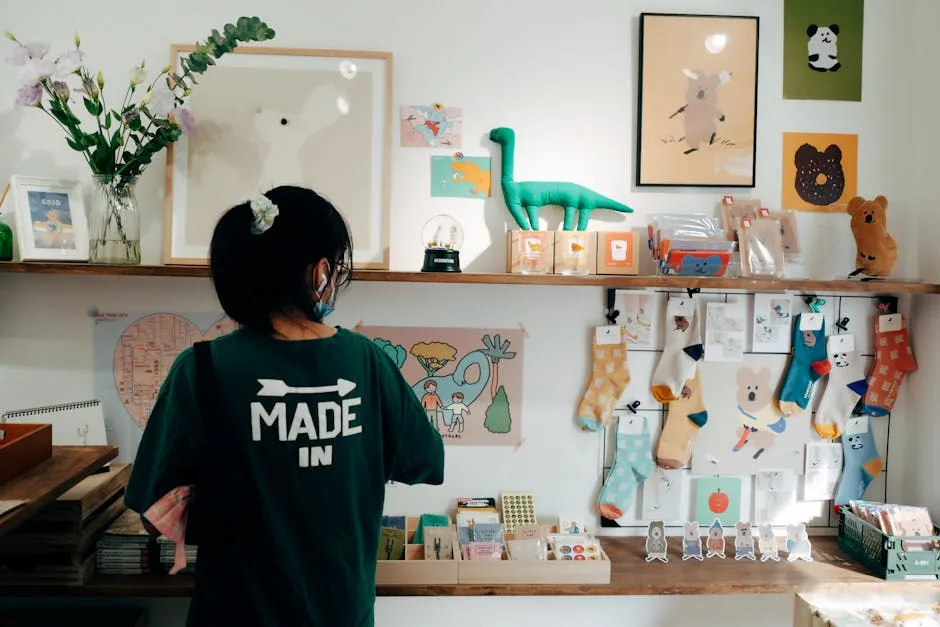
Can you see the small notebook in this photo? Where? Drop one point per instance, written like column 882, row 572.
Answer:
column 73, row 424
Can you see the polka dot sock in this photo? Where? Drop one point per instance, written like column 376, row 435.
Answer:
column 633, row 464
column 893, row 360
column 686, row 417
column 808, row 363
column 609, row 378
column 682, row 352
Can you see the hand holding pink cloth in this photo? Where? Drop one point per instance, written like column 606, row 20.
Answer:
column 169, row 516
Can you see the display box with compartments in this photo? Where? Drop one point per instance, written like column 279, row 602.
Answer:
column 549, row 571
column 414, row 569
column 618, row 253
column 530, row 252
column 22, row 447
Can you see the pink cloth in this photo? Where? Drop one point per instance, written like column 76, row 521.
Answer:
column 169, row 516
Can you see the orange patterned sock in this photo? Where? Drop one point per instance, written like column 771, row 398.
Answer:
column 609, row 378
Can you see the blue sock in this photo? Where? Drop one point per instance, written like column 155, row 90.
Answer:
column 861, row 464
column 809, row 361
column 633, row 463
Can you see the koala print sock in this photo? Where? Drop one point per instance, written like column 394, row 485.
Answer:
column 609, row 378
column 686, row 417
column 893, row 360
column 862, row 463
column 633, row 464
column 808, row 362
column 846, row 384
column 682, row 352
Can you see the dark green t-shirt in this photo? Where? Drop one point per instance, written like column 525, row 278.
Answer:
column 293, row 467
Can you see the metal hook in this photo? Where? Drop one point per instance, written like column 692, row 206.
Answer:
column 611, row 314
column 693, row 291
column 843, row 324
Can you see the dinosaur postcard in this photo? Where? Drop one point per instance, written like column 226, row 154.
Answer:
column 460, row 177
column 431, row 126
column 469, row 381
column 822, row 49
column 697, row 116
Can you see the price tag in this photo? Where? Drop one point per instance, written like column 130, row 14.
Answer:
column 728, row 199
column 856, row 425
column 605, row 336
column 844, row 343
column 764, row 212
column 811, row 321
column 891, row 322
column 745, row 223
column 631, row 424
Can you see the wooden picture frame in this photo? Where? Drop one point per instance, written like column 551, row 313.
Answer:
column 335, row 109
column 697, row 100
column 50, row 218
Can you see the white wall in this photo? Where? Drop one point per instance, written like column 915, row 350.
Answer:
column 563, row 74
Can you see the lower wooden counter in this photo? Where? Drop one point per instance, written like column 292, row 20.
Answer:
column 630, row 575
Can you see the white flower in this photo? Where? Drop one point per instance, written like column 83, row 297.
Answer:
column 23, row 53
column 69, row 63
column 160, row 101
column 36, row 70
column 138, row 75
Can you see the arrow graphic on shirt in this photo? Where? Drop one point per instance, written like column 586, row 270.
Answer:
column 276, row 387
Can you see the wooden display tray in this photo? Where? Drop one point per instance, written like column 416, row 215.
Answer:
column 507, row 572
column 414, row 570
column 23, row 447
column 806, row 604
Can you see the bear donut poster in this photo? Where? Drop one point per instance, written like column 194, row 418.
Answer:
column 822, row 58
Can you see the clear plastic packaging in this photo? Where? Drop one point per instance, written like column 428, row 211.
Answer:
column 528, row 550
column 761, row 247
column 790, row 235
column 733, row 211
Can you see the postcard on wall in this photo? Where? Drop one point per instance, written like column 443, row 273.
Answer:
column 725, row 332
column 820, row 171
column 718, row 497
column 774, row 497
column 431, row 126
column 469, row 381
column 459, row 176
column 772, row 323
column 746, row 431
column 823, row 469
column 822, row 49
column 663, row 496
column 639, row 312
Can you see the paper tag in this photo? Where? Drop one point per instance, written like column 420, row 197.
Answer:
column 856, row 425
column 605, row 336
column 811, row 322
column 631, row 424
column 844, row 343
column 892, row 322
column 746, row 223
column 728, row 199
column 764, row 212
column 684, row 306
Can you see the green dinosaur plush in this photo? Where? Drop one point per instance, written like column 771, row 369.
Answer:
column 530, row 196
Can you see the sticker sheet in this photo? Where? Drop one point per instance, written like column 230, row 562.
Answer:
column 772, row 320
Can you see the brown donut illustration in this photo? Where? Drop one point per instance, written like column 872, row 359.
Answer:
column 820, row 179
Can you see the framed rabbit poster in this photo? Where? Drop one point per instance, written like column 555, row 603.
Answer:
column 284, row 116
column 697, row 110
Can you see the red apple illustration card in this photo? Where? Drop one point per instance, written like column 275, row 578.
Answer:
column 718, row 497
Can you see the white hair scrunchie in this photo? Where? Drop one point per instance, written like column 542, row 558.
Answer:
column 264, row 213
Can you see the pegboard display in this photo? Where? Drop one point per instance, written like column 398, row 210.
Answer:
column 678, row 495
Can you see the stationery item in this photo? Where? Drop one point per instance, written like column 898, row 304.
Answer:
column 566, row 525
column 609, row 378
column 846, row 385
column 744, row 542
column 73, row 424
column 808, row 363
column 395, row 522
column 633, row 464
column 682, row 352
column 663, row 496
column 691, row 542
column 769, row 551
column 775, row 496
column 734, row 210
column 527, row 550
column 657, row 548
column 617, row 253
column 772, row 320
column 480, row 532
column 391, row 544
column 485, row 551
column 638, row 312
column 518, row 509
column 715, row 543
column 761, row 247
column 476, row 510
column 894, row 359
column 438, row 543
column 862, row 461
column 725, row 333
column 577, row 548
column 798, row 545
column 684, row 420
column 430, row 520
column 696, row 262
column 822, row 472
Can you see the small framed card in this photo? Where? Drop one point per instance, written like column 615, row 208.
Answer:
column 51, row 223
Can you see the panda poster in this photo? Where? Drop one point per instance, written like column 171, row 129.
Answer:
column 746, row 431
column 820, row 171
column 822, row 57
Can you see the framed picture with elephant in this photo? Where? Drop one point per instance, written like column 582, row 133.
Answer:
column 697, row 109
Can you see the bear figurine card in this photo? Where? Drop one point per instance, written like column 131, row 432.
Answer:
column 656, row 546
column 746, row 431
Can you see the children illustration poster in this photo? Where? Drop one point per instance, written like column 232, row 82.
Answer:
column 460, row 177
column 697, row 115
column 718, row 497
column 822, row 49
column 820, row 171
column 431, row 126
column 469, row 381
column 746, row 431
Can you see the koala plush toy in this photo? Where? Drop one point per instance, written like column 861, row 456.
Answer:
column 823, row 48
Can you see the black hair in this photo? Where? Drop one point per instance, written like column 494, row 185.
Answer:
column 257, row 275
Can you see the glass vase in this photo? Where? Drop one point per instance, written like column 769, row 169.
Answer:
column 114, row 221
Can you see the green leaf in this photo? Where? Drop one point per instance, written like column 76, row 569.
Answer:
column 74, row 145
column 135, row 125
column 91, row 106
column 107, row 121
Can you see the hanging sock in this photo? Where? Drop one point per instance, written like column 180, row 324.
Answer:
column 609, row 378
column 686, row 417
column 862, row 461
column 893, row 360
column 633, row 464
column 808, row 363
column 682, row 352
column 846, row 384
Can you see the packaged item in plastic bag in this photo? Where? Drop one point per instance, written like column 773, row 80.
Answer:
column 761, row 247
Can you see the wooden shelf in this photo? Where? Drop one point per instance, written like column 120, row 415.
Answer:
column 820, row 286
column 50, row 480
column 630, row 575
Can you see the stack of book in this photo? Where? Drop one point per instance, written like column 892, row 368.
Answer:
column 168, row 553
column 57, row 545
column 126, row 548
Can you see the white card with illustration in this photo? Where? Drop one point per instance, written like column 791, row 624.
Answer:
column 823, row 469
column 746, row 431
column 725, row 333
column 639, row 313
column 663, row 495
column 772, row 320
column 775, row 497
